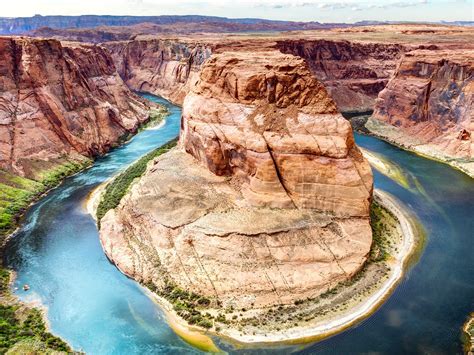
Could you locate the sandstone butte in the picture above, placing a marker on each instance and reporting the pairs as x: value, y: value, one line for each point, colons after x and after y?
x: 264, y: 202
x: 60, y: 102
x: 362, y: 68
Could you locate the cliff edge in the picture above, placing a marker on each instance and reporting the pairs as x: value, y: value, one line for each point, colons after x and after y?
x: 60, y: 101
x: 428, y: 107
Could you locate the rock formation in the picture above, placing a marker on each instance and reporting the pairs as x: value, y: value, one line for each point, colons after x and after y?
x: 164, y: 67
x: 275, y: 125
x: 353, y: 73
x: 60, y: 101
x: 428, y: 105
x: 264, y: 202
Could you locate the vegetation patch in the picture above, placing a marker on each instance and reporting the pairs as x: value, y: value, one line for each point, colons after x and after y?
x: 16, y: 193
x: 119, y: 186
x: 188, y: 305
x: 379, y: 221
x: 21, y: 326
x: 155, y: 116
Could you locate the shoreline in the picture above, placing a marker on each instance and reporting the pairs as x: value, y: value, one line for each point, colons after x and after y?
x: 10, y: 297
x: 92, y: 199
x: 452, y: 162
x: 468, y: 335
x: 298, y: 335
x: 36, y: 199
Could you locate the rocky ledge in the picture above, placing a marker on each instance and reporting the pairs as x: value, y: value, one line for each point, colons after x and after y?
x: 264, y: 202
x: 428, y: 107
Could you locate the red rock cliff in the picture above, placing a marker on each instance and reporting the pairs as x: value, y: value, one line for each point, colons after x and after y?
x: 353, y: 73
x: 60, y: 100
x: 263, y: 117
x: 163, y: 67
x: 430, y: 103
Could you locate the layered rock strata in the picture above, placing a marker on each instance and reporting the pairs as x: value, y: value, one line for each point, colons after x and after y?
x: 264, y: 202
x: 353, y: 73
x: 60, y: 101
x: 428, y: 106
x: 161, y: 66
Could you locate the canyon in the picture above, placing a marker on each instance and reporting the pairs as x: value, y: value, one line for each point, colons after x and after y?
x: 60, y: 102
x: 265, y: 202
x: 364, y: 69
x: 266, y: 186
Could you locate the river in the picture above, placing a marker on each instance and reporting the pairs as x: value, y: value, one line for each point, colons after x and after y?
x: 96, y: 309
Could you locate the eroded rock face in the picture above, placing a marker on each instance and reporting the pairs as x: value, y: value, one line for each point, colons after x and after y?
x: 353, y: 73
x: 264, y: 118
x: 182, y: 223
x: 430, y: 100
x: 60, y: 101
x: 265, y: 200
x: 164, y: 67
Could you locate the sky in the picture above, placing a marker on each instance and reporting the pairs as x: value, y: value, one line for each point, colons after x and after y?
x: 295, y: 10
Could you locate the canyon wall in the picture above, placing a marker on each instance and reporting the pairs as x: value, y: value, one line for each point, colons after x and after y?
x: 353, y: 73
x: 428, y: 105
x: 58, y: 102
x: 164, y: 67
x: 266, y: 199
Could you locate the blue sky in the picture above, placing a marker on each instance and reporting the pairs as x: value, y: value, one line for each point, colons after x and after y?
x: 297, y: 10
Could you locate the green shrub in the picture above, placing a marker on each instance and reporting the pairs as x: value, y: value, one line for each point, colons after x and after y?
x: 119, y: 186
x: 31, y: 330
x: 16, y: 193
x: 378, y: 252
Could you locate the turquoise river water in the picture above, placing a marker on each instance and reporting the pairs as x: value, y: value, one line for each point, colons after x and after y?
x: 98, y: 310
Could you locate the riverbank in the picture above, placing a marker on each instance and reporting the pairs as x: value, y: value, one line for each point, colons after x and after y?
x: 19, y: 193
x: 395, y: 136
x: 25, y: 324
x: 468, y: 335
x: 395, y: 241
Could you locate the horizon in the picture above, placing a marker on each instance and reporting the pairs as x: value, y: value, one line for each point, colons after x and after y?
x: 323, y: 11
x: 395, y: 22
